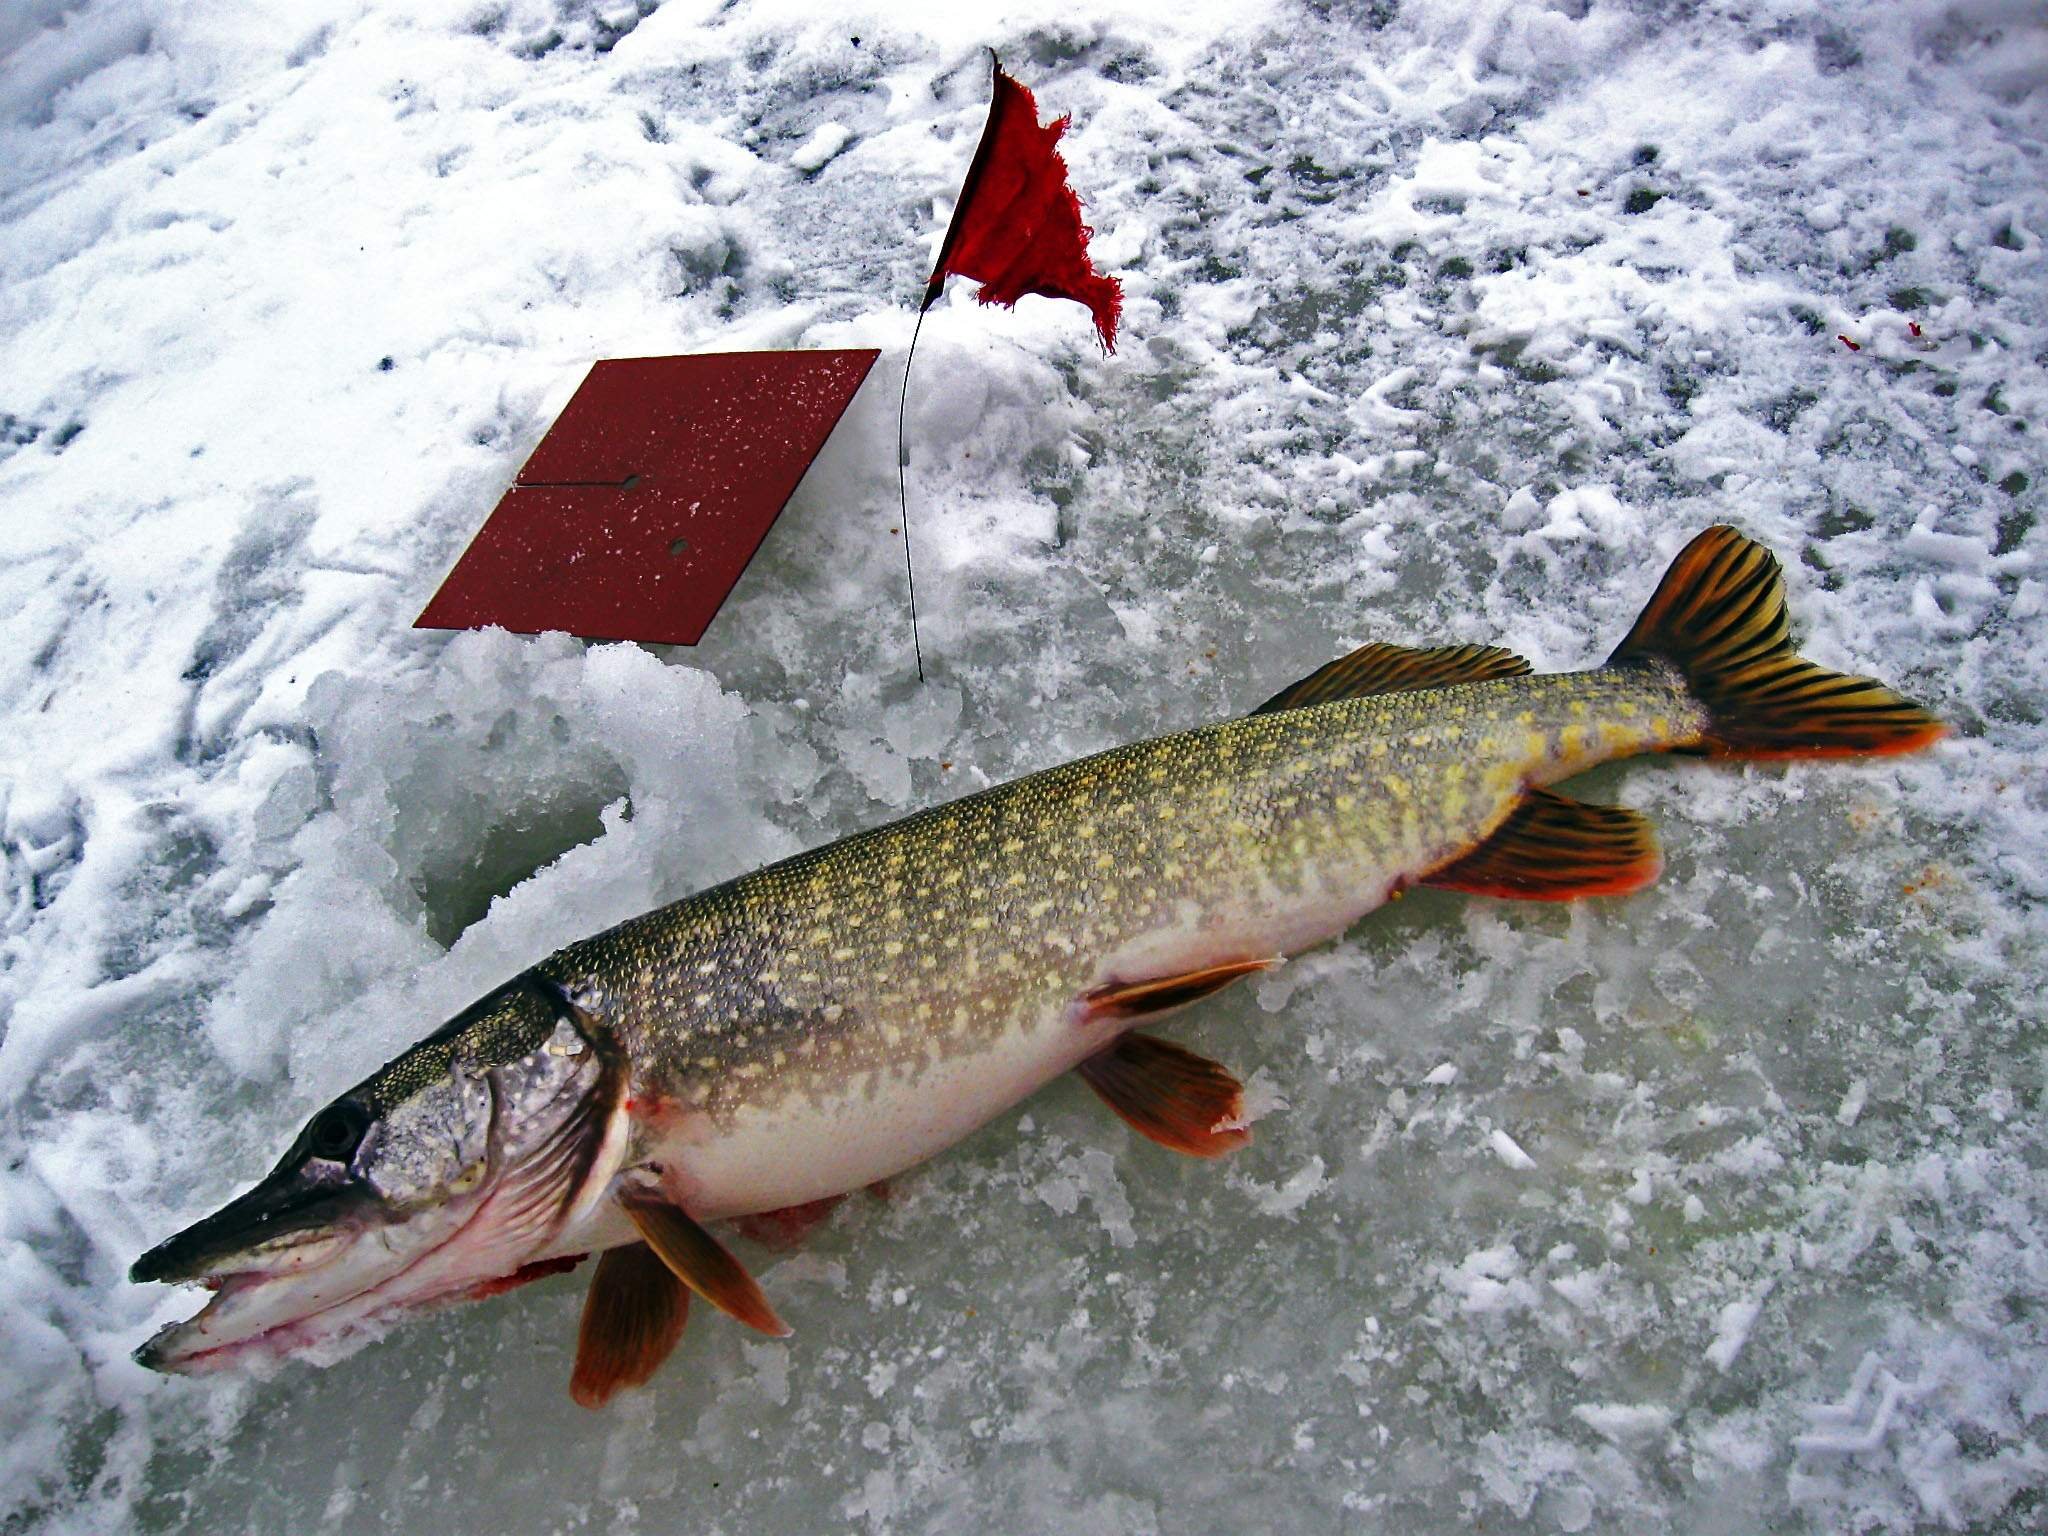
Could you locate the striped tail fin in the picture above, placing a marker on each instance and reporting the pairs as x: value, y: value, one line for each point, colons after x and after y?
x: 1718, y: 617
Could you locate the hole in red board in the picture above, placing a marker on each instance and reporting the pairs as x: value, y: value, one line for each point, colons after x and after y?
x: 679, y: 546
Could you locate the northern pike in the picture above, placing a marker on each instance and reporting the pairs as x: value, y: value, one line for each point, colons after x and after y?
x: 808, y: 1029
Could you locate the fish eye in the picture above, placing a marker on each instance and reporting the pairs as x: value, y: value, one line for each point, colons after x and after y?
x: 337, y: 1131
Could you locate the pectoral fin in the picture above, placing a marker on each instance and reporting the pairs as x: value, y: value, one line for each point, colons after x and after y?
x: 1161, y: 994
x: 633, y: 1315
x: 1553, y: 848
x: 700, y: 1261
x: 1169, y: 1094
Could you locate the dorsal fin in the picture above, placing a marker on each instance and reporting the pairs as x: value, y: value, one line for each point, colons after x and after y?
x: 1380, y: 668
x: 1554, y: 848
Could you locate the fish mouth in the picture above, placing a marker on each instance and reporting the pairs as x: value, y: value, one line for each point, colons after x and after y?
x: 258, y: 1320
x: 318, y: 1275
x: 276, y: 1226
x: 276, y: 1299
x: 325, y: 1297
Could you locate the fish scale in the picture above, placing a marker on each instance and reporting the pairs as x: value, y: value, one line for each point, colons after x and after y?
x: 851, y: 974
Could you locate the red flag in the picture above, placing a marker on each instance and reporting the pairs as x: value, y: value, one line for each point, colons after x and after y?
x: 1017, y: 228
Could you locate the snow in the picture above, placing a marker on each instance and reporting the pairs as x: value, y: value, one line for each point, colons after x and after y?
x: 1510, y: 1152
x: 1446, y: 320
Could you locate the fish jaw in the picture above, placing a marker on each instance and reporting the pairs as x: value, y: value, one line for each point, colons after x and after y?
x: 321, y: 1305
x: 327, y: 1299
x: 347, y: 1263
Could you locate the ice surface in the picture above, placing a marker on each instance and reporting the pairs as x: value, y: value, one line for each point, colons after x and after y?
x: 1719, y: 1208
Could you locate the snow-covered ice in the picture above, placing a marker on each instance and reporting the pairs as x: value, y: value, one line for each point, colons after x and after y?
x: 1718, y: 1208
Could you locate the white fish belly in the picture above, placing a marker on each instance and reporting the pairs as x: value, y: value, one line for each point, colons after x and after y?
x: 807, y: 1146
x: 814, y: 1144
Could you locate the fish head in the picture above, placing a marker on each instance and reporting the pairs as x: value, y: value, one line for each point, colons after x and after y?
x: 443, y: 1175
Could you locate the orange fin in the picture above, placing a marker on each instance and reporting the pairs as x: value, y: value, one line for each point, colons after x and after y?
x: 526, y: 1274
x: 700, y: 1261
x: 1552, y: 848
x: 1162, y: 994
x: 1396, y: 669
x: 1718, y: 616
x: 1178, y: 1099
x: 633, y: 1316
x: 788, y: 1226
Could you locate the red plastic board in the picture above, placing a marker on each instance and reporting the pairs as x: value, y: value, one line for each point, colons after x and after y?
x: 641, y: 507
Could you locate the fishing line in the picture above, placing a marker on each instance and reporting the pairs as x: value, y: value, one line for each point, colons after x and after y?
x: 903, y: 493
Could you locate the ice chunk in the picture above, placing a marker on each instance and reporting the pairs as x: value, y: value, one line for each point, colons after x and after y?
x: 825, y: 143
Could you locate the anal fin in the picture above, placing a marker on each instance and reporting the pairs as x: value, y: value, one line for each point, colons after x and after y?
x: 1169, y: 1094
x: 1161, y: 994
x: 700, y: 1261
x: 1554, y: 848
x: 633, y: 1316
x: 1379, y: 668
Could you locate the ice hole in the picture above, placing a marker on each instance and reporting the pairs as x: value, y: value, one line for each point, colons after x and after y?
x: 458, y: 879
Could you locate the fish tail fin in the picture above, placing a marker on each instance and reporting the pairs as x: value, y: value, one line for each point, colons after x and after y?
x: 1718, y: 617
